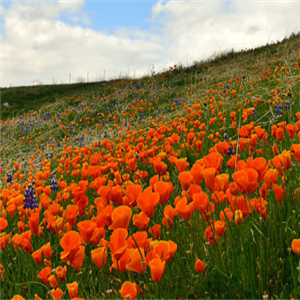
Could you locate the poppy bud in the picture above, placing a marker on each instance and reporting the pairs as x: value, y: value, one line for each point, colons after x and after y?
x: 238, y: 217
x: 200, y: 266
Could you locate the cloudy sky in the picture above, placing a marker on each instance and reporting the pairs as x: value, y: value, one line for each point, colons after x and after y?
x: 46, y: 41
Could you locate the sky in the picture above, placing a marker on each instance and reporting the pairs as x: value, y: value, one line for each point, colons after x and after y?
x: 62, y: 41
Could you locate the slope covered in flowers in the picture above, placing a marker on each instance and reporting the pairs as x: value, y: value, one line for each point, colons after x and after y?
x: 179, y: 185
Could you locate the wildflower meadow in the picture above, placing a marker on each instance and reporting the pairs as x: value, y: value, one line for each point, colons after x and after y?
x: 178, y: 185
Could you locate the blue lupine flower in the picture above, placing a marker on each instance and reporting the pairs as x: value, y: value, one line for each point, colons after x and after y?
x: 30, y: 200
x: 226, y: 137
x: 9, y: 178
x: 230, y: 151
x: 254, y: 112
x: 53, y: 183
x: 287, y: 105
x: 278, y: 107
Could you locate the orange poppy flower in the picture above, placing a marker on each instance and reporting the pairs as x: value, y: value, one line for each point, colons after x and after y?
x: 153, y: 180
x: 137, y: 263
x: 243, y: 205
x: 233, y: 188
x: 213, y: 160
x: 117, y: 195
x: 132, y: 192
x: 209, y: 175
x: 94, y: 171
x: 79, y: 196
x: 141, y: 220
x: 200, y: 201
x: 97, y: 183
x: 120, y: 261
x: 279, y: 132
x: 37, y: 256
x: 54, y: 208
x: 157, y: 268
x: 34, y: 223
x: 169, y: 213
x: 45, y: 200
x: 94, y: 160
x: 21, y: 226
x: 200, y: 266
x: 4, y: 240
x: 17, y: 297
x: 11, y: 208
x: 218, y: 197
x: 23, y: 241
x: 162, y: 248
x: 121, y: 217
x: 155, y: 231
x: 159, y: 166
x: 221, y: 182
x: 165, y: 250
x: 258, y: 204
x: 138, y: 239
x: 296, y: 246
x: 296, y: 152
x: 209, y: 211
x: 282, y: 160
x: 164, y: 189
x: 61, y: 273
x: 73, y: 289
x: 147, y: 201
x: 290, y: 129
x: 199, y: 146
x: 210, y: 235
x: 56, y: 294
x: 278, y: 191
x: 128, y: 290
x: 245, y: 131
x: 44, y: 274
x: 47, y: 250
x: 226, y: 215
x: 181, y: 164
x: 3, y: 224
x: 223, y: 147
x: 105, y: 193
x: 196, y: 172
x: 232, y: 160
x: 117, y: 244
x: 53, y: 281
x: 78, y: 259
x: 185, y: 179
x: 86, y: 229
x: 260, y: 165
x: 71, y: 214
x: 246, y: 180
x: 98, y: 234
x: 271, y: 177
x: 70, y: 242
x: 185, y: 211
x: 219, y: 227
x: 99, y: 256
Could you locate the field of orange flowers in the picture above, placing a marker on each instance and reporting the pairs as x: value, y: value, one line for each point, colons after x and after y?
x: 179, y: 185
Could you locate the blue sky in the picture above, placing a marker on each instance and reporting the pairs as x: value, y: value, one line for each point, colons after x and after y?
x: 47, y: 40
x: 109, y: 15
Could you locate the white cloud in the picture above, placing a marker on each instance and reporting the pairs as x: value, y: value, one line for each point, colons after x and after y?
x: 38, y: 44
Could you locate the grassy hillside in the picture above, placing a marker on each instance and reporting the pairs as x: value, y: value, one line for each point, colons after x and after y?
x: 183, y: 184
x: 222, y: 67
